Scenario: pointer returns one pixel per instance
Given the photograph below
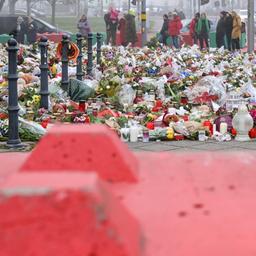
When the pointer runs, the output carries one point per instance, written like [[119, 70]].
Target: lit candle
[[223, 128]]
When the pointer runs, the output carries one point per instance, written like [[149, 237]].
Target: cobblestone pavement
[[172, 146], [193, 146], [27, 146]]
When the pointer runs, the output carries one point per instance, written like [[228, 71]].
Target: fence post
[[99, 41], [79, 70], [64, 59], [89, 64], [13, 107], [44, 91]]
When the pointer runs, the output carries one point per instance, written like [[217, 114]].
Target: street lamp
[[250, 26], [143, 23]]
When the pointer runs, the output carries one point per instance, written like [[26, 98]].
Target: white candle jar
[[243, 123]]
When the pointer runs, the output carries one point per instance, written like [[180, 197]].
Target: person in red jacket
[[192, 28], [175, 26]]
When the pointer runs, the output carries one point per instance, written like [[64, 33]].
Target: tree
[[86, 7], [203, 2], [2, 4], [12, 4], [28, 7], [53, 5]]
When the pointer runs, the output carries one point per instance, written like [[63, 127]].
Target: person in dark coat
[[111, 21], [203, 29], [83, 26], [19, 32], [122, 29], [130, 30], [165, 30], [107, 23], [182, 15], [221, 31], [228, 30], [31, 31]]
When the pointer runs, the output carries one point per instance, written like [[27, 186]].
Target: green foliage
[[153, 43]]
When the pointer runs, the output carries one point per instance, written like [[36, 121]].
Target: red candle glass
[[209, 125], [81, 106]]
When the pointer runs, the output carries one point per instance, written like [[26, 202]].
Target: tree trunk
[[86, 7], [53, 12], [78, 8], [28, 7], [2, 4], [101, 8], [12, 6]]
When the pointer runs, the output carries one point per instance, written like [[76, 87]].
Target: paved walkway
[[193, 146], [172, 146]]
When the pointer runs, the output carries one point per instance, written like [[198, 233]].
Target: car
[[8, 25], [34, 12]]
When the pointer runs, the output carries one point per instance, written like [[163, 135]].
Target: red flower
[[3, 116], [150, 125], [252, 133], [44, 123], [233, 132]]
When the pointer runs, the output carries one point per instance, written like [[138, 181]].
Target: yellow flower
[[4, 84], [36, 99], [170, 133]]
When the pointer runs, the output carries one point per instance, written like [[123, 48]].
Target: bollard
[[64, 81], [13, 107], [79, 71], [89, 64], [99, 41], [44, 92]]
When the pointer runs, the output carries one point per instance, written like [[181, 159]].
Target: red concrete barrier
[[87, 148], [186, 204], [53, 37], [66, 214]]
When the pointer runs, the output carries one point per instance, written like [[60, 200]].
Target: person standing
[[164, 31], [203, 29], [175, 26], [122, 29], [83, 26], [111, 21], [19, 32], [236, 32], [182, 15], [221, 31], [31, 31], [107, 23], [228, 29], [192, 28], [130, 29]]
